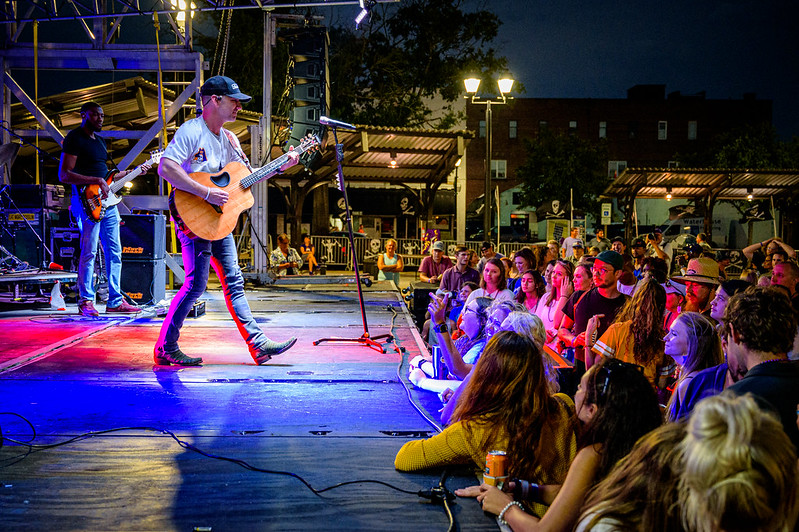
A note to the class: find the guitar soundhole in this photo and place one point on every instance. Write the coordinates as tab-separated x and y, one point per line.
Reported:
221	180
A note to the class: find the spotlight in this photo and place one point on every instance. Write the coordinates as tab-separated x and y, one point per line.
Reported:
393	163
668	194
749	195
366	7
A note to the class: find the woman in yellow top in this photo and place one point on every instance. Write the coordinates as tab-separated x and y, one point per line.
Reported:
507	407
637	334
615	407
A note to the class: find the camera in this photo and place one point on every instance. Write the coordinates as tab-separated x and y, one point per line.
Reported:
651	236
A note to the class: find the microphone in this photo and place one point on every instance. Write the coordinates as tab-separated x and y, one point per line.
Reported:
329	122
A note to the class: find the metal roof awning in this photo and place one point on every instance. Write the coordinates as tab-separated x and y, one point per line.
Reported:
720	184
424	157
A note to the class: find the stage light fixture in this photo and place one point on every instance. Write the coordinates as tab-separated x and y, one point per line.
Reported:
366	8
668	194
128	185
749	194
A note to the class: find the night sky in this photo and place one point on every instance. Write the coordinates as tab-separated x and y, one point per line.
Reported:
580	49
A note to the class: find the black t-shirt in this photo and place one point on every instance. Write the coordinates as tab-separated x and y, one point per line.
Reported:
591	304
91	153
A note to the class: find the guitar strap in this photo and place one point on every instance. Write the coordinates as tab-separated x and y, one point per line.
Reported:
234	144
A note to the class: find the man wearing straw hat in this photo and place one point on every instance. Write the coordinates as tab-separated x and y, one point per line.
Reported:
701	279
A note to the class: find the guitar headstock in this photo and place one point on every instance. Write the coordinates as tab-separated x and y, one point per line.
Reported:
155	156
309	143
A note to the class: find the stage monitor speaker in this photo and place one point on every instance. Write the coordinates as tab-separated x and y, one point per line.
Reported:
144	281
65	245
143	236
421	298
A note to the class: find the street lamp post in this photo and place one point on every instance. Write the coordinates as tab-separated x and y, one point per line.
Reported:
505	85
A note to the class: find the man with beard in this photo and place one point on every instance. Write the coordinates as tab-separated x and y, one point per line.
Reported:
83	163
701	279
600	303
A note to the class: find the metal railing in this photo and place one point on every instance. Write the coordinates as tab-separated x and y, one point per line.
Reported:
335	250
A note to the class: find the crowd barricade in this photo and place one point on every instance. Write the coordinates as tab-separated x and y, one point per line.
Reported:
335	250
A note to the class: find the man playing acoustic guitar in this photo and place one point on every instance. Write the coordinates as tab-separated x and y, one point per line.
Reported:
203	145
83	164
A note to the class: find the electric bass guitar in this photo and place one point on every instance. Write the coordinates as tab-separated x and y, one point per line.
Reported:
94	205
198	218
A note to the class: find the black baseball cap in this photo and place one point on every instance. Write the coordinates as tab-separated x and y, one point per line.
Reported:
638	242
617	239
223	86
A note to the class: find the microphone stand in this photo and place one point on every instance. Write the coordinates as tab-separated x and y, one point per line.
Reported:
365	339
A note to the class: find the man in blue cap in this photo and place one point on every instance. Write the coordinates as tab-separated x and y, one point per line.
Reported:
203	145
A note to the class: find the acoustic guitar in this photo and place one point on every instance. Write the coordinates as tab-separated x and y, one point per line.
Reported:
94	205
198	218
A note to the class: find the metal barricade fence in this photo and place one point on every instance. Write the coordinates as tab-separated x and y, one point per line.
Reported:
334	250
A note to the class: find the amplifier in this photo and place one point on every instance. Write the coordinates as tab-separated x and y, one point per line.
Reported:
143	236
22	240
144	281
65	245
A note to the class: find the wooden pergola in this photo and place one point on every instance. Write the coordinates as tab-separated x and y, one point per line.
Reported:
705	186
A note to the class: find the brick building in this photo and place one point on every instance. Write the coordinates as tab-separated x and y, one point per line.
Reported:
646	129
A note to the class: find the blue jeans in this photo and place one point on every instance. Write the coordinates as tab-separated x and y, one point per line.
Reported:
198	256
107	232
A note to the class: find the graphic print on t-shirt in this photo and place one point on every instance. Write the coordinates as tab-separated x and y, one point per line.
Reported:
199	157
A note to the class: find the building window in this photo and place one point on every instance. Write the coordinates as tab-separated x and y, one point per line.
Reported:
615	168
663	127
603	130
482	132
572	127
673	164
499	169
692	124
543	125
513	127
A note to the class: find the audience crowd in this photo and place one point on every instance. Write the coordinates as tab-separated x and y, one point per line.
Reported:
650	390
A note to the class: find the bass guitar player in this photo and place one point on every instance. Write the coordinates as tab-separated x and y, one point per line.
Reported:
84	164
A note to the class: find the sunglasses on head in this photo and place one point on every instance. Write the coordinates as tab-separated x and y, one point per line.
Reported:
607	370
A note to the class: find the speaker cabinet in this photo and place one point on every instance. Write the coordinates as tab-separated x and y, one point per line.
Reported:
144	281
65	245
143	236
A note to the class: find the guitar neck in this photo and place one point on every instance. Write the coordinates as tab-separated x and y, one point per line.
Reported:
265	172
117	185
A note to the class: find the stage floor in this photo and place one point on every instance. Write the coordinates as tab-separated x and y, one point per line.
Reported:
330	413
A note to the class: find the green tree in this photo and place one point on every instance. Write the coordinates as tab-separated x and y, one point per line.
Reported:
558	163
387	72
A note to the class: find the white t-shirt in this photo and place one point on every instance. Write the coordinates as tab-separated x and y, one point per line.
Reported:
502	295
197	149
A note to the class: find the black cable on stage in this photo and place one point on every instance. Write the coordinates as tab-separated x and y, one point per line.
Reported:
34	448
438	494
